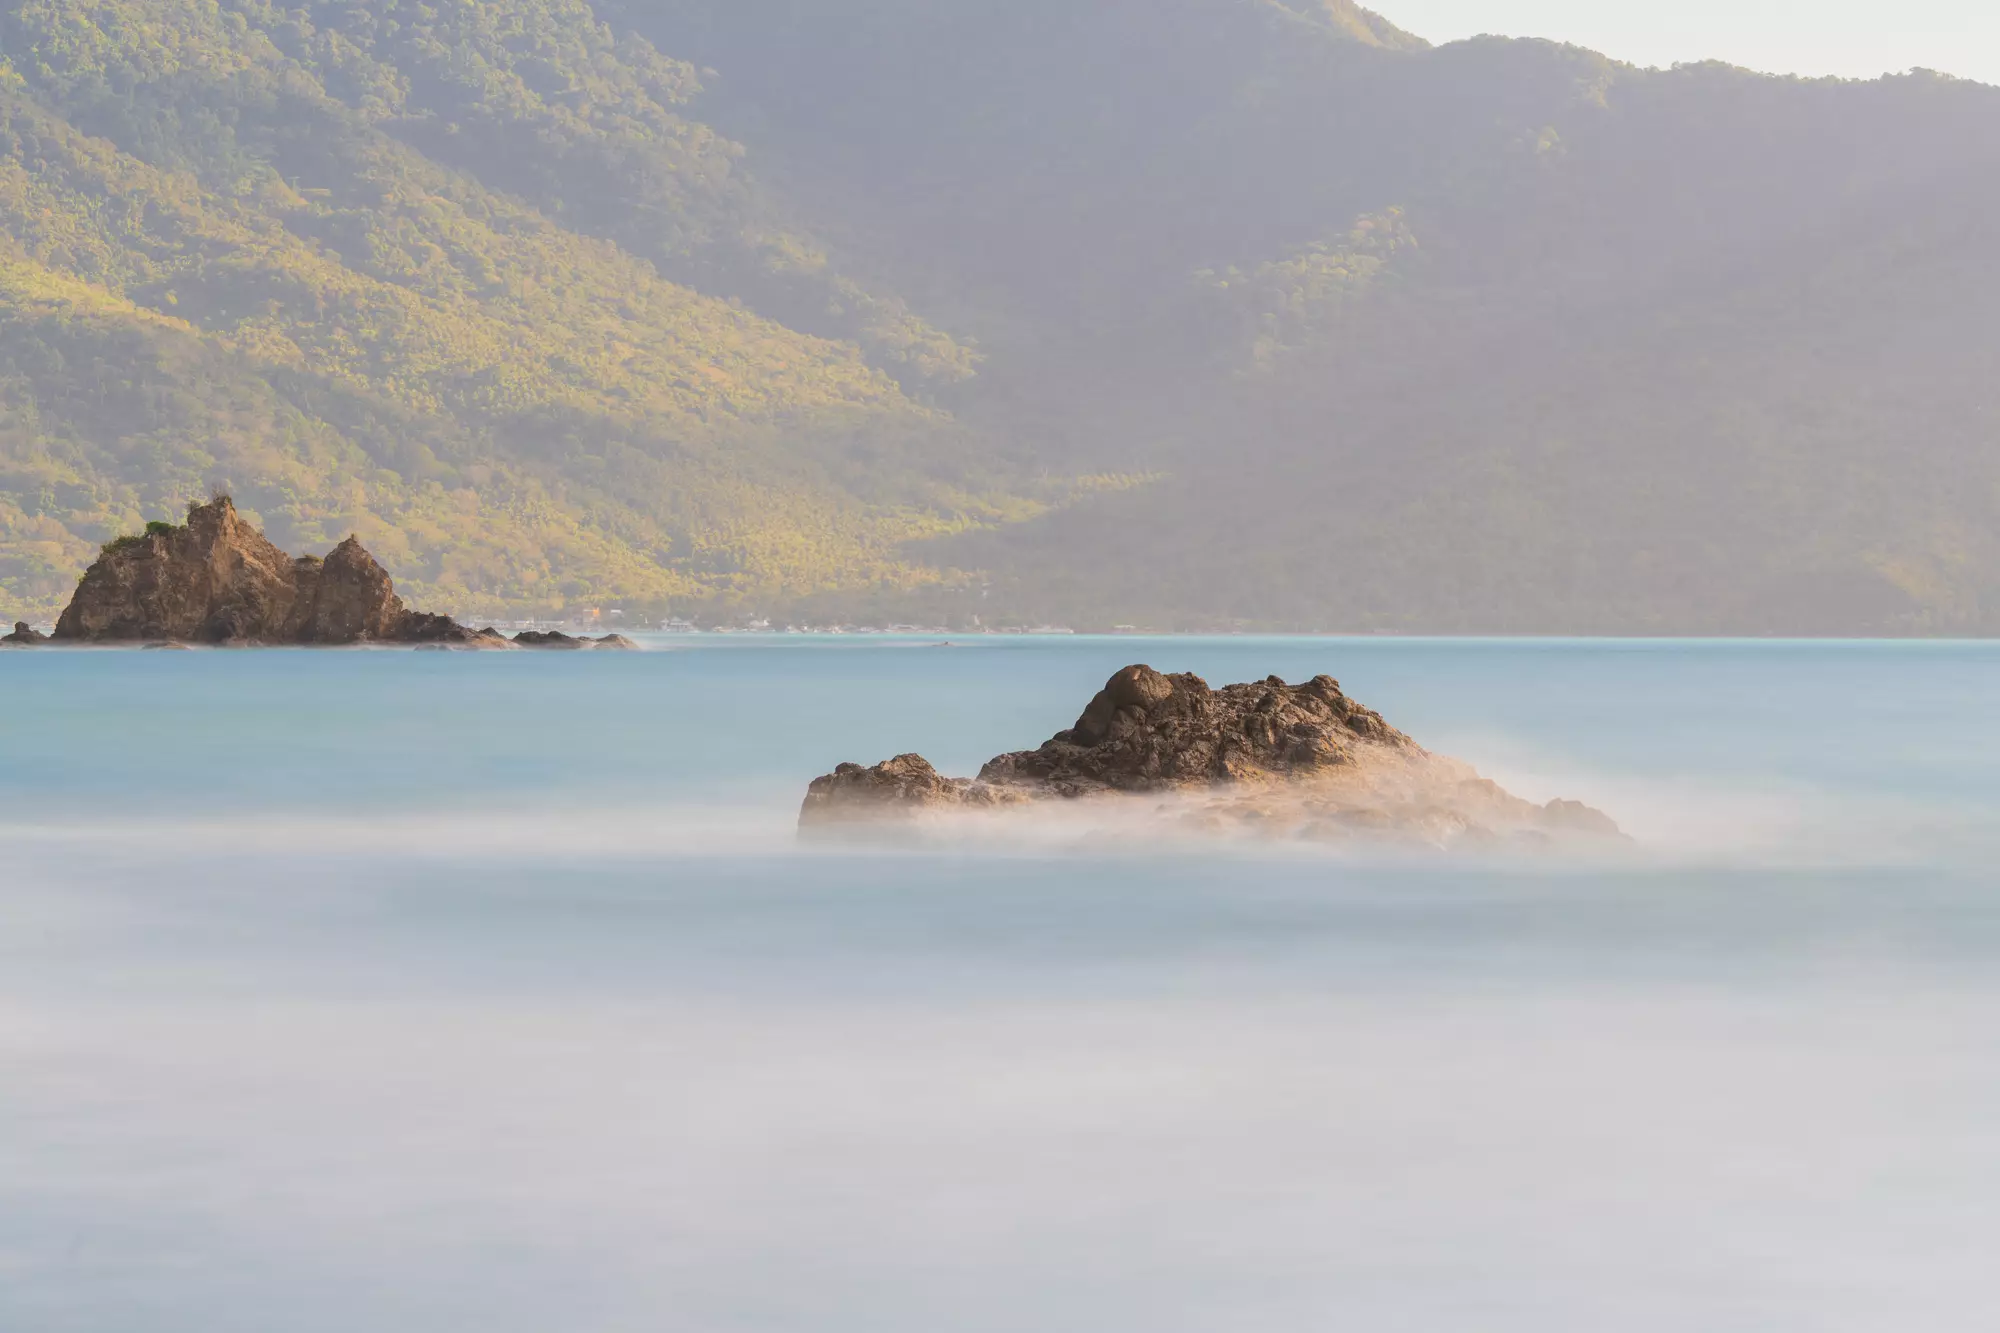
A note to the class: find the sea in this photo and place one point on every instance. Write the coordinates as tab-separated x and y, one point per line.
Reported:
416	992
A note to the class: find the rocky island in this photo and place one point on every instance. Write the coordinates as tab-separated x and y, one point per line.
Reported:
217	580
1278	760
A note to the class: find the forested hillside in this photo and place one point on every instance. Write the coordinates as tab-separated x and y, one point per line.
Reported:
1501	335
411	270
840	305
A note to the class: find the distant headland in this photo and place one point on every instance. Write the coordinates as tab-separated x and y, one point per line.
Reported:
217	580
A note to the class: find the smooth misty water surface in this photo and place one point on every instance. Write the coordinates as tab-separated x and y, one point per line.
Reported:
424	991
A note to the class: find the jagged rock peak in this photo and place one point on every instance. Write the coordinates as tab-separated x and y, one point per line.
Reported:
216	579
1282	760
1145	731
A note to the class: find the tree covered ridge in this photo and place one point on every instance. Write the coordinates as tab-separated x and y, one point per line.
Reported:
558	301
230	258
1350	20
1644	350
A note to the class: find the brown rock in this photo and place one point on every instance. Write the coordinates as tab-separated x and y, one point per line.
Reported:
213	580
529	638
427	630
1576	817
1148	732
216	579
348	598
896	789
24	636
1269	759
555	638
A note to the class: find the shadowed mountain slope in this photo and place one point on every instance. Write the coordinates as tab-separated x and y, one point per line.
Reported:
1501	335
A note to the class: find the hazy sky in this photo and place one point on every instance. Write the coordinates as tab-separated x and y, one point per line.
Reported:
1855	38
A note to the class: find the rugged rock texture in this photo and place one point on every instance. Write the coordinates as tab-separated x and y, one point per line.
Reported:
1145	731
216	579
24	635
1284	760
895	788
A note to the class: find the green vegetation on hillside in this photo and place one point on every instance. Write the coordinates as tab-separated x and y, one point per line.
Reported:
1501	335
227	260
829	304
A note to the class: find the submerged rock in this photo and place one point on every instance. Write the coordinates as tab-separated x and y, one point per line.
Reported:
1279	760
24	636
556	639
532	638
218	580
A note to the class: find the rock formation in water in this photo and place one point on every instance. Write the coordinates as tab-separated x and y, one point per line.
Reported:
895	788
1287	760
557	640
23	636
217	580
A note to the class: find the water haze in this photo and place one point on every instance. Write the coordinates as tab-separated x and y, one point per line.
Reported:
427	991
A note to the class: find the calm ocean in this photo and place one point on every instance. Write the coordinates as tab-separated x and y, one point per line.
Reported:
420	992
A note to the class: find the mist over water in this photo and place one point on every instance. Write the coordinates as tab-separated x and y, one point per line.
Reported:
435	991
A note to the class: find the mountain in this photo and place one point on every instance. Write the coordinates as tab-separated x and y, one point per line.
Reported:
1499	336
429	273
1190	313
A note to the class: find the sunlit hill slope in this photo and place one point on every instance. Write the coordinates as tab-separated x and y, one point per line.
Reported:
362	264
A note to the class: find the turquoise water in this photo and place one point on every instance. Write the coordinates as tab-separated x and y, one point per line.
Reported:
426	991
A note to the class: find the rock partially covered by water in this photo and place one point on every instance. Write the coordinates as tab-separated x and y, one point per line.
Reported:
1270	758
892	790
556	639
24	636
218	580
